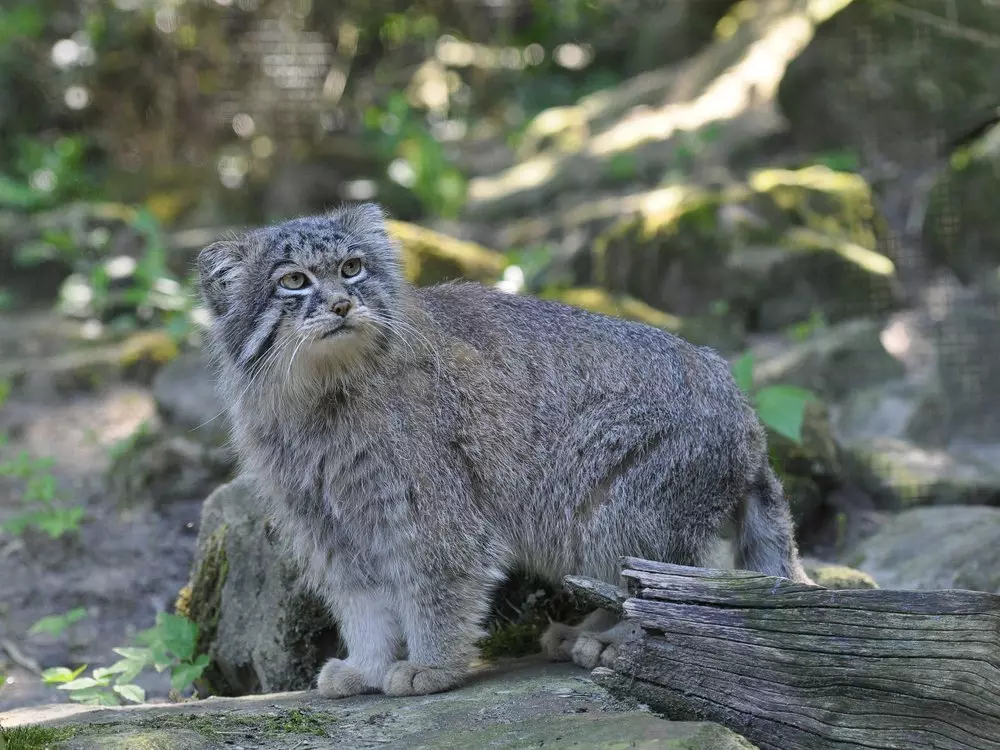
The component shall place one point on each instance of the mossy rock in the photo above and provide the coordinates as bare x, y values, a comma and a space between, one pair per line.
957, 547
962, 229
431, 257
714, 331
838, 577
767, 254
262, 630
900, 474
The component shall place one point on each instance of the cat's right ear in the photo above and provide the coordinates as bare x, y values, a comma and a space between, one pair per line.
216, 263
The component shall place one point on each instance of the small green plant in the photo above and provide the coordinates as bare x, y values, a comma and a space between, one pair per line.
419, 161
780, 407
42, 505
169, 644
56, 625
806, 328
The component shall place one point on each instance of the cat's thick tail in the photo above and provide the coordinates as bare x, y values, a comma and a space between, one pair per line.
765, 535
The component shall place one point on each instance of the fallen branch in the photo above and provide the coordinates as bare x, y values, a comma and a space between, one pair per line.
792, 666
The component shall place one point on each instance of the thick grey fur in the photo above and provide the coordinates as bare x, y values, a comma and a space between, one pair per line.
443, 436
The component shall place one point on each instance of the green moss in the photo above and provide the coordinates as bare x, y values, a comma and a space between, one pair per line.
297, 721
272, 724
430, 257
837, 577
201, 600
32, 737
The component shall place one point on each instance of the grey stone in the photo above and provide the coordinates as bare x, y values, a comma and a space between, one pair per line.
832, 361
157, 468
262, 630
902, 473
186, 399
935, 548
513, 705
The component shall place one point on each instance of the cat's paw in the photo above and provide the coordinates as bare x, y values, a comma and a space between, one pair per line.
588, 651
338, 679
557, 641
407, 678
601, 649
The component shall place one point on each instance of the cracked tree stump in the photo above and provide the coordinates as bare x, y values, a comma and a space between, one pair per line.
797, 667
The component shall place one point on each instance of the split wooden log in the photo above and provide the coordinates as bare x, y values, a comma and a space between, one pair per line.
797, 667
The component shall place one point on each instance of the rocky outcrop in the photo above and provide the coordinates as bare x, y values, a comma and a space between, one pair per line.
262, 630
956, 547
515, 705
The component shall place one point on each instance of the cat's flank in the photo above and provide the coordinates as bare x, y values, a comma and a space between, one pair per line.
417, 444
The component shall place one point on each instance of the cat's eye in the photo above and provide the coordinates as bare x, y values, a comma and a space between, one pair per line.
351, 268
294, 280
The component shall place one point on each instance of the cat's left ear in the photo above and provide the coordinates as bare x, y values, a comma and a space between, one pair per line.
216, 264
364, 219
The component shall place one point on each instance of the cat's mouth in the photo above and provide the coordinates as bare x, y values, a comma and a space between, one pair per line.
339, 330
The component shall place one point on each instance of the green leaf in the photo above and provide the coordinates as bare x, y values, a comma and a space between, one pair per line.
81, 684
183, 675
95, 696
782, 408
56, 675
134, 654
56, 624
178, 634
132, 693
743, 372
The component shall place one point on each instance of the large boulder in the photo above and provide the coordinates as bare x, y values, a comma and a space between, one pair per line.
933, 435
901, 473
935, 548
785, 245
263, 631
515, 705
832, 361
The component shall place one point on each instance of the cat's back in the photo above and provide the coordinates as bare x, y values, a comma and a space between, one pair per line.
508, 328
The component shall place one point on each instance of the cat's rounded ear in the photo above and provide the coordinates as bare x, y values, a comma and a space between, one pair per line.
215, 266
365, 219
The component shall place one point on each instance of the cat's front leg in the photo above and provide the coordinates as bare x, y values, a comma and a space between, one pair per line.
442, 620
371, 631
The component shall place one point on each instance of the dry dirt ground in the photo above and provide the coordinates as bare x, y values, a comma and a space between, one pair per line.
123, 565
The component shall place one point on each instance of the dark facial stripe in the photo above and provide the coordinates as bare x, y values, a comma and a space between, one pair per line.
265, 346
311, 306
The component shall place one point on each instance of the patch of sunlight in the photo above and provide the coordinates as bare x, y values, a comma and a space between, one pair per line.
664, 206
816, 177
623, 306
869, 260
755, 77
746, 10
524, 176
554, 121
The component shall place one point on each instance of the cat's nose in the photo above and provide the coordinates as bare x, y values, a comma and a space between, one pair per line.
341, 307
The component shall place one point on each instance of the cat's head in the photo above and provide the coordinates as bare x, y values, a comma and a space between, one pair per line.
320, 288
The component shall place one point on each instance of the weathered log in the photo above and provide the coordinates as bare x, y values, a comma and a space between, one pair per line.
797, 667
